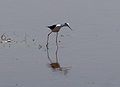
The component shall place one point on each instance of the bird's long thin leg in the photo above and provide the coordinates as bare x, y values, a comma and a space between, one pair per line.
57, 47
48, 39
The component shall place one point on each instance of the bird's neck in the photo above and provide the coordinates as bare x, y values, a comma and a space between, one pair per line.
63, 25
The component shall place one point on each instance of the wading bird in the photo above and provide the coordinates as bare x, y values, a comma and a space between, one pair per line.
56, 28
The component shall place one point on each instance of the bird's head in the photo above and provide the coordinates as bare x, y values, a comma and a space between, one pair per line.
67, 24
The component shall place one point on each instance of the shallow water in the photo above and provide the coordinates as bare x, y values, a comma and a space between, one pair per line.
90, 51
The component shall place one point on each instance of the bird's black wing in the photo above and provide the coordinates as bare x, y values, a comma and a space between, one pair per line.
52, 27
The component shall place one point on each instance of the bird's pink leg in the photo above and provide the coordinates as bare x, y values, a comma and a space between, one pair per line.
48, 39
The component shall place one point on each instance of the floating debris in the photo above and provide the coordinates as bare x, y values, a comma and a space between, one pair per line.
59, 41
33, 40
16, 85
62, 35
4, 39
39, 46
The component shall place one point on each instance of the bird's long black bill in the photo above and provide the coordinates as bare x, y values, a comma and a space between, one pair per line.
70, 27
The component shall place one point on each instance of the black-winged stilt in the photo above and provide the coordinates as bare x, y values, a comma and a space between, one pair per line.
56, 28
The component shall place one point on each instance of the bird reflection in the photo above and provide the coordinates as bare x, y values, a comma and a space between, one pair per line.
55, 66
